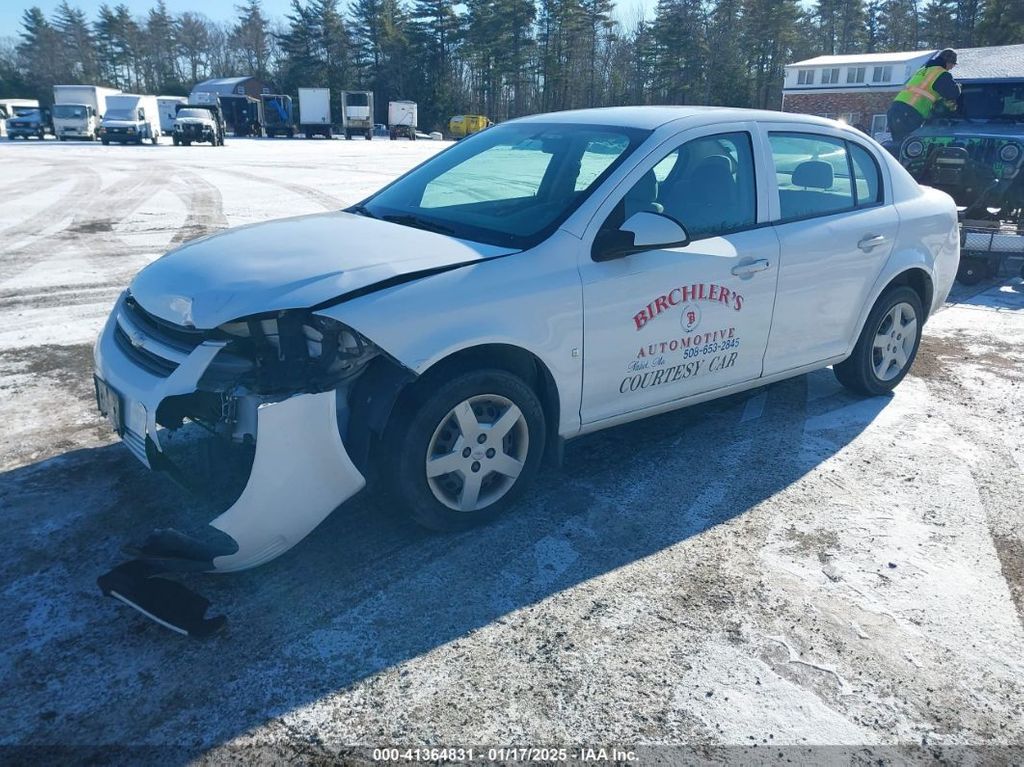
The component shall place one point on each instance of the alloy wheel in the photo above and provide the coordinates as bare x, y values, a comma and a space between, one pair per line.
477, 452
894, 341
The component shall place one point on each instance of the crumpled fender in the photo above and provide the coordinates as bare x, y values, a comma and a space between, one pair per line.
300, 474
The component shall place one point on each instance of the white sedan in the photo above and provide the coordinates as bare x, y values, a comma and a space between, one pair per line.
545, 278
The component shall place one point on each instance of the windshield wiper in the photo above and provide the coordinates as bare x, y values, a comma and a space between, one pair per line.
416, 222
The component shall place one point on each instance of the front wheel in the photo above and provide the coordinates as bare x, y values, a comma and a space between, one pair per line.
887, 345
465, 450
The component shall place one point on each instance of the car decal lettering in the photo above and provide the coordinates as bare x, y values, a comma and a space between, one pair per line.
689, 295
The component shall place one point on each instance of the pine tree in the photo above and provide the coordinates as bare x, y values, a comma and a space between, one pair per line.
680, 33
161, 45
78, 48
939, 29
192, 43
1002, 23
769, 38
727, 82
39, 53
251, 37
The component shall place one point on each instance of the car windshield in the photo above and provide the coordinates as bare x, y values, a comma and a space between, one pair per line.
511, 185
119, 114
992, 101
69, 110
28, 114
193, 113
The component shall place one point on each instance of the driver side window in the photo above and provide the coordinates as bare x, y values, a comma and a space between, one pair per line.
707, 185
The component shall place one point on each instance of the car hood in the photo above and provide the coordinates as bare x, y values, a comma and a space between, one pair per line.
193, 121
964, 129
291, 263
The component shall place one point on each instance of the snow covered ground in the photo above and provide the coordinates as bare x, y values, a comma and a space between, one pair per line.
795, 566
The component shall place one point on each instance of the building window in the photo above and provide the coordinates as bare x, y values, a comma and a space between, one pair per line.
881, 75
830, 76
855, 75
805, 77
879, 124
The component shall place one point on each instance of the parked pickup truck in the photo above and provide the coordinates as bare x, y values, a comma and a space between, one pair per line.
30, 123
198, 123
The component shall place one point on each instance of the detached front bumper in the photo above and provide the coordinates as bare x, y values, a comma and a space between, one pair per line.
301, 471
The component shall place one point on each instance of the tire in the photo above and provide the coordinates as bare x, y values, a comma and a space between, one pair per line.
105, 142
176, 141
971, 271
883, 355
187, 142
428, 426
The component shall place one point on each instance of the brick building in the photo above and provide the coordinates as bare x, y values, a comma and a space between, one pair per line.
859, 88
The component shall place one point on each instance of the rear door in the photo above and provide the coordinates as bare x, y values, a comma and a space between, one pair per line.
666, 324
836, 227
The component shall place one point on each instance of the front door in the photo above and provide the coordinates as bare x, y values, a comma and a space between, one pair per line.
666, 324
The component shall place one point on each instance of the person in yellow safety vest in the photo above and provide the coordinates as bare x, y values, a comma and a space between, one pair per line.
929, 85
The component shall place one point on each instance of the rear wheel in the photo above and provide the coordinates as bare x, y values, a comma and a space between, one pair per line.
466, 450
887, 345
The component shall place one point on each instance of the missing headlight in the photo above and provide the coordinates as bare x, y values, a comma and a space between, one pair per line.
297, 351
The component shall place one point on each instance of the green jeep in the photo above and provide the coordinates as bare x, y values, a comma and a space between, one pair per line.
975, 154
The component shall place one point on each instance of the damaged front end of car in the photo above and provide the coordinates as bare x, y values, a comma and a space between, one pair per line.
280, 384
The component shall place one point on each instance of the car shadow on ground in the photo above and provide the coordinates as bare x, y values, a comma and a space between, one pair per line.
367, 590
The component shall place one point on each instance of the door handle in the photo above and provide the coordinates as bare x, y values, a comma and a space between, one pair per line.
745, 270
870, 241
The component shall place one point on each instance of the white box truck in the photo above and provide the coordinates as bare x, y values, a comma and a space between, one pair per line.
315, 112
168, 106
402, 119
130, 118
78, 110
357, 113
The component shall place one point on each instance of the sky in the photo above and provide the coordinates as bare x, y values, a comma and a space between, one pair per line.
219, 10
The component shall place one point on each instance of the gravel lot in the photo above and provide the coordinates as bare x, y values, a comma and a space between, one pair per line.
791, 566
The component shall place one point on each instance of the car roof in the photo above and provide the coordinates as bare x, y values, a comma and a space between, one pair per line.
652, 117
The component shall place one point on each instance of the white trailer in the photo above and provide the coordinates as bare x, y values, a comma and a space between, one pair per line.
168, 106
402, 119
131, 118
357, 113
315, 112
78, 110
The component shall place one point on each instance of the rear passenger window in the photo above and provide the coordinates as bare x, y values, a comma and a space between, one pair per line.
813, 174
867, 183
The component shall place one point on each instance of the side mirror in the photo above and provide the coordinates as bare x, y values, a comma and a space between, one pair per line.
641, 231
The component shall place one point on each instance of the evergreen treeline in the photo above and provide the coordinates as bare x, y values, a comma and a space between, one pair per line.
501, 58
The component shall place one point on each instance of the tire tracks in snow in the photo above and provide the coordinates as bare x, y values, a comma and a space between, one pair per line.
327, 201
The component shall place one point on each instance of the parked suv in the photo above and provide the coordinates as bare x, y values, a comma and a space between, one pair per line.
977, 153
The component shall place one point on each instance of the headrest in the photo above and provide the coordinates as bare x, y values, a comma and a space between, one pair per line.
716, 163
813, 174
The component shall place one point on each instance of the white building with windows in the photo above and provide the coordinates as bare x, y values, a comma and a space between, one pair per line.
856, 88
